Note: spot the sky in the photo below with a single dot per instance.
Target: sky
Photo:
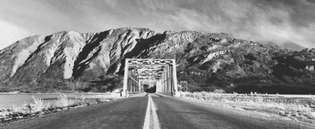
(279, 21)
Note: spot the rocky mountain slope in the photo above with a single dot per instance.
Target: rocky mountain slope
(207, 61)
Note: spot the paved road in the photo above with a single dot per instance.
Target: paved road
(130, 114)
(176, 114)
(119, 114)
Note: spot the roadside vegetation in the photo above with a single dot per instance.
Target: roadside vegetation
(297, 107)
(41, 106)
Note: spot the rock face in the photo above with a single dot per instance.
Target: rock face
(207, 61)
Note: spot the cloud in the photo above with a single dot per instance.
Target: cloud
(260, 20)
(10, 33)
(271, 21)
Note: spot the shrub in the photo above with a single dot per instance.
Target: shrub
(38, 105)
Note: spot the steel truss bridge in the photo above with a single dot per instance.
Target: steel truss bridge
(140, 75)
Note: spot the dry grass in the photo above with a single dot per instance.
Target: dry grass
(63, 101)
(38, 105)
(294, 106)
(41, 106)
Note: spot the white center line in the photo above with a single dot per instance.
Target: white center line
(151, 120)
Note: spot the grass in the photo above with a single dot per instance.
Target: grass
(40, 106)
(300, 107)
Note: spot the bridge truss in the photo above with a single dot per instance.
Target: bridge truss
(158, 73)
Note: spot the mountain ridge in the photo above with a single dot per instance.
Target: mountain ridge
(70, 60)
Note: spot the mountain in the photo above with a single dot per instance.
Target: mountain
(286, 45)
(71, 60)
(292, 46)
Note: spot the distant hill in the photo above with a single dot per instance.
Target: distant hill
(292, 46)
(286, 45)
(207, 61)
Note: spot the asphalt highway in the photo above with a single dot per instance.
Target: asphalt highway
(177, 114)
(120, 114)
(129, 113)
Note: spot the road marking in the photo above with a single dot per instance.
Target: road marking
(151, 120)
